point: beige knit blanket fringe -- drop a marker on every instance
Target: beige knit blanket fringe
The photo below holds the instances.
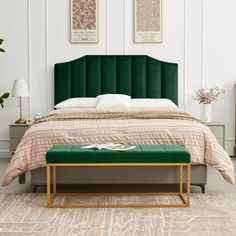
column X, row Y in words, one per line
column 150, row 114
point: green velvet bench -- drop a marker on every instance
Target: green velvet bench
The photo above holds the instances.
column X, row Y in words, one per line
column 141, row 155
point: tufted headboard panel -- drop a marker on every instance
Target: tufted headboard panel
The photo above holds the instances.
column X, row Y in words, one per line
column 138, row 76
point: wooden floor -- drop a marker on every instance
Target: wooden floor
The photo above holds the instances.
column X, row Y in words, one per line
column 24, row 213
column 213, row 177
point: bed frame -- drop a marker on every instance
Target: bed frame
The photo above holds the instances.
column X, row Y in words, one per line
column 134, row 75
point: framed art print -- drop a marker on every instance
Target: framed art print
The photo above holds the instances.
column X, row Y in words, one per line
column 84, row 21
column 147, row 21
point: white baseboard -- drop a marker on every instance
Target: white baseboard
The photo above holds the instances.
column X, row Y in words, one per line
column 4, row 153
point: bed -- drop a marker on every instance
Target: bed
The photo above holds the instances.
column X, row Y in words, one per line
column 139, row 77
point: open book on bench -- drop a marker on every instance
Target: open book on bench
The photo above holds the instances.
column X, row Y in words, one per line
column 109, row 146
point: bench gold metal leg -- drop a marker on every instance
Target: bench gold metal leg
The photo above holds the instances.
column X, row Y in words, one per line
column 48, row 186
column 188, row 184
column 181, row 179
column 54, row 181
column 185, row 201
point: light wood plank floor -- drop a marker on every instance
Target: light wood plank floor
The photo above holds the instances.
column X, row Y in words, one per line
column 24, row 213
column 216, row 184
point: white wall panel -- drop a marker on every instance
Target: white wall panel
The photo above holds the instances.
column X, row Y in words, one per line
column 219, row 58
column 13, row 63
column 198, row 35
column 38, row 76
column 115, row 27
column 193, row 54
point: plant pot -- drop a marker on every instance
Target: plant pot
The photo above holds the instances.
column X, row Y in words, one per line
column 207, row 117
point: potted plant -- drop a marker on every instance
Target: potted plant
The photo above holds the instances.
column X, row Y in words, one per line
column 1, row 49
column 5, row 95
column 206, row 96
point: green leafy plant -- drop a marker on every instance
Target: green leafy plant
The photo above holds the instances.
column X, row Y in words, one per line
column 1, row 49
column 3, row 98
column 5, row 95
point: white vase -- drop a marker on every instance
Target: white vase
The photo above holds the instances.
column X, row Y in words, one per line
column 207, row 113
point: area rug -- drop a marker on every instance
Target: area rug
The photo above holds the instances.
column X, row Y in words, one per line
column 26, row 214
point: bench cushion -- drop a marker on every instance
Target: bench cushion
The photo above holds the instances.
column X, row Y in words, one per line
column 141, row 154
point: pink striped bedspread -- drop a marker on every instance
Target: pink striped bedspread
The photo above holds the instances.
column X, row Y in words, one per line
column 192, row 134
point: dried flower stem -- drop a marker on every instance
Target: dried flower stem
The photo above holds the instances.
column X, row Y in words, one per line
column 206, row 96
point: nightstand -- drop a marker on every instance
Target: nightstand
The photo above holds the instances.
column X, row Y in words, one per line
column 218, row 129
column 16, row 133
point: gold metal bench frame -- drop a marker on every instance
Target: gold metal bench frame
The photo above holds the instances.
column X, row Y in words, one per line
column 51, row 196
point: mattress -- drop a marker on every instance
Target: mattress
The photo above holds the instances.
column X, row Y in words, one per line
column 130, row 126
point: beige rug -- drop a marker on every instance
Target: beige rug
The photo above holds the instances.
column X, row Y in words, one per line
column 26, row 214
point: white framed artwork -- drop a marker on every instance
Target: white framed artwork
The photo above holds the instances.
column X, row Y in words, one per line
column 84, row 21
column 147, row 21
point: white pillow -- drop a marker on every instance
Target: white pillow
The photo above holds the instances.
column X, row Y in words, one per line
column 152, row 103
column 84, row 102
column 113, row 101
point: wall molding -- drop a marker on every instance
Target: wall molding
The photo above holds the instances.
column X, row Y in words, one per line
column 29, row 56
column 107, row 26
column 203, row 82
column 47, row 52
column 184, row 58
column 124, row 46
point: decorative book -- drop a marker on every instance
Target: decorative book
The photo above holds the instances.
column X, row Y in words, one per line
column 109, row 146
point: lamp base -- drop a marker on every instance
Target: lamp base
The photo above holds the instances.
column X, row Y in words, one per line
column 20, row 121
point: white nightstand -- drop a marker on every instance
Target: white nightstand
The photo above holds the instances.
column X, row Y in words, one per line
column 16, row 133
column 218, row 129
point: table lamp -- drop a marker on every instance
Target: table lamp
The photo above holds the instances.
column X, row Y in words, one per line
column 20, row 90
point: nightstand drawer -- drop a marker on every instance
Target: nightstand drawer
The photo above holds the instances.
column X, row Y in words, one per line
column 14, row 143
column 217, row 130
column 221, row 142
column 18, row 131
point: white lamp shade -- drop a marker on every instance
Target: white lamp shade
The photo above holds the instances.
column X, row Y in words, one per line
column 20, row 89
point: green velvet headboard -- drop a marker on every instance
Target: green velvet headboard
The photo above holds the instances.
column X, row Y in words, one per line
column 138, row 76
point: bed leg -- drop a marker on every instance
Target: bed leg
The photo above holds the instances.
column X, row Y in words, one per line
column 22, row 178
column 35, row 188
column 203, row 188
